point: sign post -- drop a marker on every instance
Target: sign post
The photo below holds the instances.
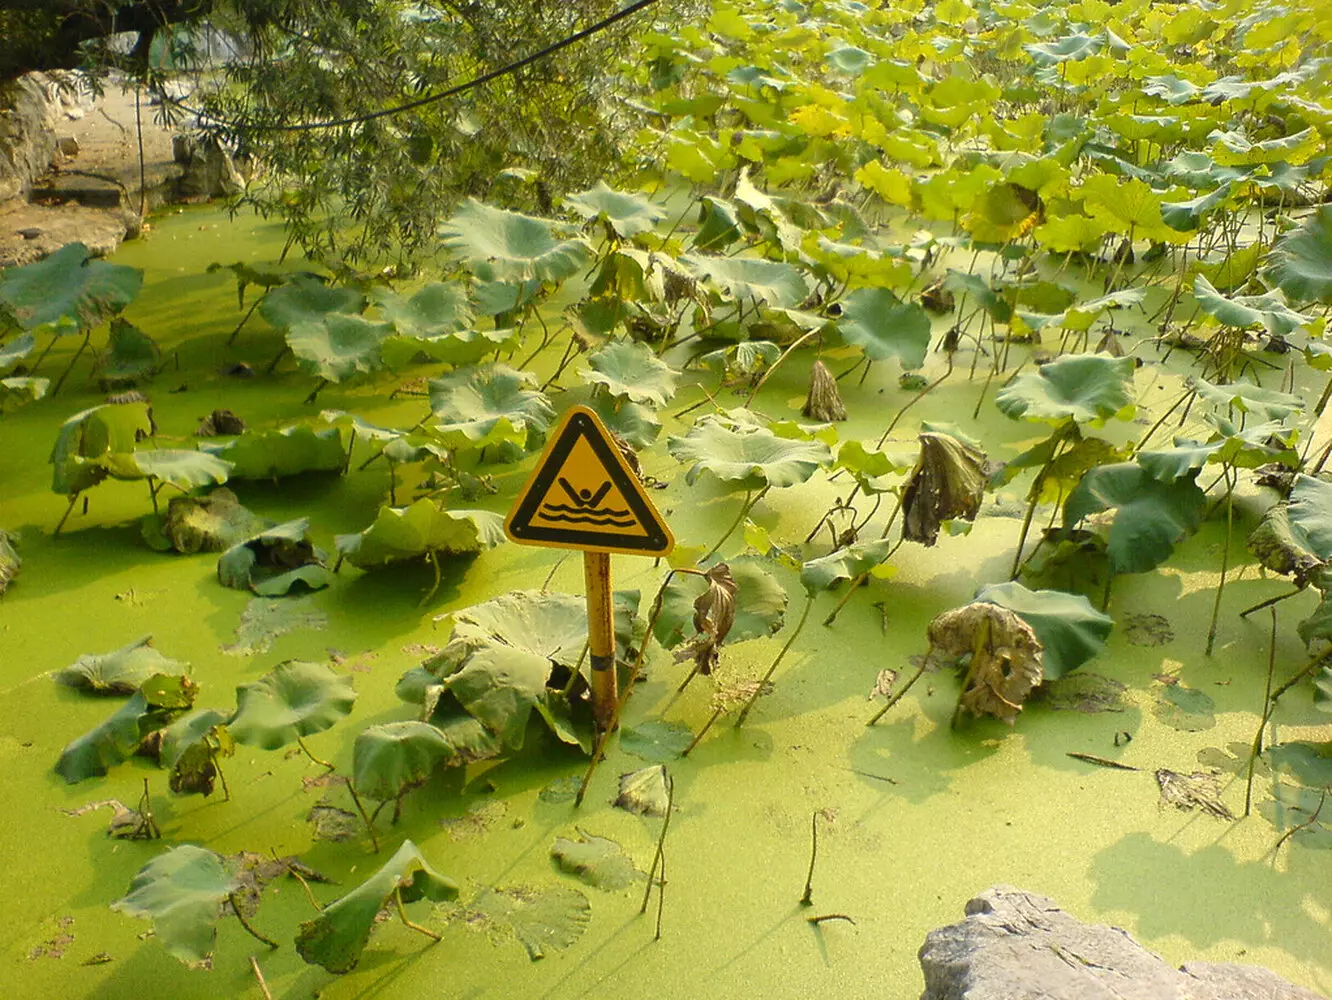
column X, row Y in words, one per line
column 584, row 495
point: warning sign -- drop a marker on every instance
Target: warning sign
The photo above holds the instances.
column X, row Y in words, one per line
column 583, row 495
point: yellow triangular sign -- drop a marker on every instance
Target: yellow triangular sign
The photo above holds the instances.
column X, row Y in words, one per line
column 583, row 495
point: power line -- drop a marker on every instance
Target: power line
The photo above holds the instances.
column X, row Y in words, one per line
column 420, row 102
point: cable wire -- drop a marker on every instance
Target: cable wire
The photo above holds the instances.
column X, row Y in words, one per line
column 461, row 88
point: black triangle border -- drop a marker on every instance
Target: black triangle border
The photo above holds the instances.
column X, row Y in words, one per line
column 582, row 424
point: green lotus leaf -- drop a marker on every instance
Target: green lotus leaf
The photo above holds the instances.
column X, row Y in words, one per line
column 1234, row 270
column 391, row 758
column 760, row 604
column 1071, row 234
column 1151, row 516
column 751, row 280
column 455, row 347
column 182, row 892
column 436, row 309
column 1069, row 628
column 1086, row 387
column 657, row 741
column 308, row 302
column 491, row 404
column 339, row 347
column 1316, row 630
column 718, row 224
column 16, row 350
column 1070, row 48
column 975, row 286
column 336, row 938
column 749, row 357
column 287, row 451
column 883, row 326
column 510, row 246
column 627, row 214
column 748, row 457
column 131, row 355
column 159, row 699
column 1181, row 461
column 1243, row 311
column 1250, row 445
column 849, row 60
column 119, row 672
column 20, row 390
column 636, row 423
column 844, row 564
column 10, row 560
column 1263, row 403
column 1294, row 538
column 644, row 792
column 190, row 748
column 400, row 533
column 500, row 686
column 1234, row 148
column 90, row 436
column 294, row 699
column 598, row 861
column 1170, row 89
column 213, row 523
column 870, row 468
column 501, row 299
column 630, row 369
column 274, row 561
column 181, row 467
column 68, row 291
column 1301, row 260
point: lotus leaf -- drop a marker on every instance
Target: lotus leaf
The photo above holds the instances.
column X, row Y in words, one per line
column 598, row 861
column 292, row 700
column 181, row 467
column 274, row 561
column 752, row 281
column 1085, row 387
column 287, row 451
column 157, row 701
column 844, row 564
column 627, row 214
column 1301, row 260
column 747, row 456
column 644, row 792
column 1263, row 403
column 338, row 347
column 436, row 309
column 1294, row 537
column 400, row 533
column 190, row 748
column 883, row 326
column 120, row 672
column 182, row 892
column 16, row 350
column 630, row 369
column 454, row 347
column 948, row 482
column 68, row 291
column 336, row 938
column 90, row 436
column 1151, row 515
column 543, row 920
column 510, row 246
column 1070, row 630
column 391, row 758
column 489, row 405
column 306, row 303
column 131, row 355
column 212, row 523
column 21, row 390
column 760, row 604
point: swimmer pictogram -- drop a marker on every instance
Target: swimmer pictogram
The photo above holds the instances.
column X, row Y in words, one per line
column 583, row 495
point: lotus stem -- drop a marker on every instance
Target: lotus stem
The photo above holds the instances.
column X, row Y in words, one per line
column 272, row 365
column 1308, row 669
column 777, row 364
column 235, row 908
column 72, row 362
column 1270, row 602
column 415, row 427
column 407, row 921
column 1313, row 818
column 65, row 517
column 903, row 690
column 658, row 858
column 315, row 391
column 750, row 501
column 263, row 986
column 1257, row 747
column 763, row 681
column 807, row 899
column 360, row 808
column 1164, row 416
column 309, row 753
column 433, row 558
column 1230, row 476
column 217, row 766
column 913, row 401
column 245, row 319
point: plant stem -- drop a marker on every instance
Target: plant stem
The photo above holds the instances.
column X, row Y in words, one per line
column 263, row 986
column 750, row 502
column 360, row 808
column 415, row 427
column 804, row 615
column 1308, row 669
column 407, row 921
column 661, row 897
column 807, row 899
column 913, row 401
column 235, row 908
column 72, row 361
column 903, row 690
column 1313, row 818
column 272, row 365
column 657, row 858
column 245, row 319
column 1270, row 601
column 322, row 763
column 777, row 364
column 315, row 391
column 1157, row 426
column 1257, row 747
column 1230, row 475
column 1034, row 496
column 217, row 766
column 433, row 559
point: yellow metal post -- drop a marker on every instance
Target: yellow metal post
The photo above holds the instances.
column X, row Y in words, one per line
column 600, row 636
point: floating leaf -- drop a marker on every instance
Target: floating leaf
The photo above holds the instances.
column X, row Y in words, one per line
column 748, row 456
column 1080, row 387
column 598, row 861
column 264, row 620
column 391, row 758
column 1085, row 692
column 182, row 892
column 644, row 792
column 659, row 742
column 67, row 291
column 883, row 326
column 1150, row 516
column 510, row 246
column 1184, row 708
column 274, row 561
column 131, row 355
column 121, row 672
column 1070, row 630
column 400, row 533
column 159, row 699
column 287, row 451
column 336, row 938
column 630, row 369
column 294, row 699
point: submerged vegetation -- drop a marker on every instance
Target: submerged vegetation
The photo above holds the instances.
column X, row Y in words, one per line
column 1098, row 233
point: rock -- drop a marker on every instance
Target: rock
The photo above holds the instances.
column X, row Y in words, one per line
column 209, row 170
column 1015, row 945
column 68, row 146
column 26, row 139
column 30, row 232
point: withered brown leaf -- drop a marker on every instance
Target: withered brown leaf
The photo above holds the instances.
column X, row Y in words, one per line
column 1005, row 657
column 714, row 614
column 948, row 482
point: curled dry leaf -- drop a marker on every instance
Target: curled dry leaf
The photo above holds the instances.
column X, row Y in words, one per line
column 824, row 402
column 948, row 482
column 1192, row 791
column 1005, row 657
column 220, row 423
column 714, row 614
